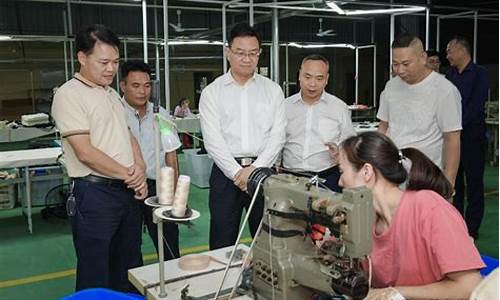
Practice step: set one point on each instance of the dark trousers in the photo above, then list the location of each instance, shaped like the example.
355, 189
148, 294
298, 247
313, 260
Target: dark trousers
170, 230
106, 234
470, 177
226, 203
332, 179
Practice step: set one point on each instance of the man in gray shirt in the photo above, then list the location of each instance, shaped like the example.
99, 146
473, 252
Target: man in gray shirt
136, 87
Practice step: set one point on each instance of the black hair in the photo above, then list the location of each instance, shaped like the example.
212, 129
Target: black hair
316, 57
182, 100
243, 30
432, 52
464, 42
134, 65
404, 40
87, 37
379, 151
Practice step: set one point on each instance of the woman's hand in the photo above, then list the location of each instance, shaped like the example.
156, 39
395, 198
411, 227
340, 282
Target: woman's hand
389, 293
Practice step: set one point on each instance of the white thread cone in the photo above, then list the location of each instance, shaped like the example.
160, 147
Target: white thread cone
166, 196
181, 196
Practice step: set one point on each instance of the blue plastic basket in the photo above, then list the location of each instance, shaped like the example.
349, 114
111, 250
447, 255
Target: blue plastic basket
491, 264
101, 294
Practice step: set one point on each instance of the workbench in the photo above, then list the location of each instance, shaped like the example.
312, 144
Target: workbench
201, 284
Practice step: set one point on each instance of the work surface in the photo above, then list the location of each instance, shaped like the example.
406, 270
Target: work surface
200, 284
8, 135
31, 157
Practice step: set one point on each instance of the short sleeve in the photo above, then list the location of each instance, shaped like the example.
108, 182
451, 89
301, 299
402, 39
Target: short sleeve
449, 111
383, 109
449, 240
70, 113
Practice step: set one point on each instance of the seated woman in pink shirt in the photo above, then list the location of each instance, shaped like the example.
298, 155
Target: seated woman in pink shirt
421, 248
182, 110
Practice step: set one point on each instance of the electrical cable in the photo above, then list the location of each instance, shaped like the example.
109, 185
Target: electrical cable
249, 211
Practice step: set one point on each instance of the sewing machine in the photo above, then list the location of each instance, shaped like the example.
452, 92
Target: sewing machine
286, 263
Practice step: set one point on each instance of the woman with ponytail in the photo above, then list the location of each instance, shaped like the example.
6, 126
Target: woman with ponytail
421, 248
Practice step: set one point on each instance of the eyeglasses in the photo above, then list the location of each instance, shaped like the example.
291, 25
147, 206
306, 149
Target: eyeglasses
242, 54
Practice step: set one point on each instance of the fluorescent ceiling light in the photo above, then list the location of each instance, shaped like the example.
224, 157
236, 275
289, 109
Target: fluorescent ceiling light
383, 11
194, 42
335, 7
5, 38
315, 46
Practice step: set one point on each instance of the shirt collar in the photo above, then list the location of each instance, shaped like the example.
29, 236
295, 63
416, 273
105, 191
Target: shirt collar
469, 66
149, 107
228, 78
87, 82
322, 98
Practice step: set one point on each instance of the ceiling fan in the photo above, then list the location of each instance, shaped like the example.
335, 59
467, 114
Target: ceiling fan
178, 27
322, 33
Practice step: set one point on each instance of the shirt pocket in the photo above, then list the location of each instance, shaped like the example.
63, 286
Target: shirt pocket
328, 130
264, 117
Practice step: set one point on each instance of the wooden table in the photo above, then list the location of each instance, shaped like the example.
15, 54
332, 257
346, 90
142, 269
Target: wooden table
201, 283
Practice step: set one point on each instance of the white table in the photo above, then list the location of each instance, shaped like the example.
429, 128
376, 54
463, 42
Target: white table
190, 125
26, 159
360, 127
201, 283
22, 133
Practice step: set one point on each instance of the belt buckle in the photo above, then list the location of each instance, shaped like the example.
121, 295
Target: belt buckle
246, 161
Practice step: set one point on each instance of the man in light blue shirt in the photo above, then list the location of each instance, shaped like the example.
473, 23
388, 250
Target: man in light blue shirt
136, 87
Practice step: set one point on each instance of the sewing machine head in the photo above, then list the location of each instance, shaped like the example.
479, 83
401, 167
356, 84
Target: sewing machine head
286, 262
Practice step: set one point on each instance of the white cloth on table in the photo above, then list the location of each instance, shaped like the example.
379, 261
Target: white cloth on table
31, 157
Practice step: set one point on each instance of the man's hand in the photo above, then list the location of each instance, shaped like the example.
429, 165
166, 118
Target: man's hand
141, 192
333, 150
241, 177
136, 176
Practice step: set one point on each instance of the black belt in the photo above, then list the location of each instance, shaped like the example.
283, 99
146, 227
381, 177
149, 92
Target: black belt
321, 174
245, 161
327, 172
104, 180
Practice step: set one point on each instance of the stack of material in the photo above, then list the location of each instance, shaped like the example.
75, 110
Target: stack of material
35, 119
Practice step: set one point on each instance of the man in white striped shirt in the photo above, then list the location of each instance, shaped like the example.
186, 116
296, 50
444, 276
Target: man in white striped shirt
243, 125
317, 122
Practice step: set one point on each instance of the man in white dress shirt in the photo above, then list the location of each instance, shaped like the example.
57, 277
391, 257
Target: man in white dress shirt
135, 84
317, 122
243, 124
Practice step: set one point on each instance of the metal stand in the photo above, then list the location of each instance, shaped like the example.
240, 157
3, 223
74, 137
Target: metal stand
161, 258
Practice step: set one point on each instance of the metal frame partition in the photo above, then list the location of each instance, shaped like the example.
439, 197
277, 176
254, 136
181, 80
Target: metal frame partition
469, 14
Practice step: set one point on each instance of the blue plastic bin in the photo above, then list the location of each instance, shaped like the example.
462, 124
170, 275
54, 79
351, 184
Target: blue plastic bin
491, 264
101, 294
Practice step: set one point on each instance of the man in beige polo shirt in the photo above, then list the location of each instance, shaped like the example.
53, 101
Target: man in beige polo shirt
105, 163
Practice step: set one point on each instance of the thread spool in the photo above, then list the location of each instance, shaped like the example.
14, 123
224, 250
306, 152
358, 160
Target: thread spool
166, 196
181, 196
